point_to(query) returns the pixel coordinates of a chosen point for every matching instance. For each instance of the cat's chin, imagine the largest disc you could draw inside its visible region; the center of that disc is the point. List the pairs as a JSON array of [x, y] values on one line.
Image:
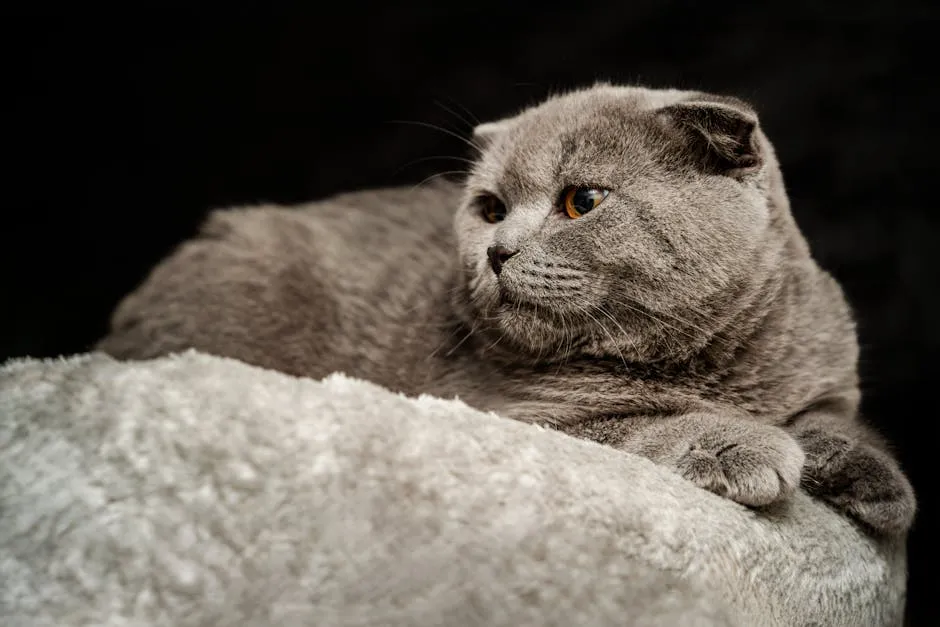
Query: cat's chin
[[549, 335], [512, 304], [518, 323], [534, 328]]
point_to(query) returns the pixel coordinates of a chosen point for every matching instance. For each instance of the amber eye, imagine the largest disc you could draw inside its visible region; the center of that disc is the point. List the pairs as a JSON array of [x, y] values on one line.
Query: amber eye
[[492, 208], [576, 201]]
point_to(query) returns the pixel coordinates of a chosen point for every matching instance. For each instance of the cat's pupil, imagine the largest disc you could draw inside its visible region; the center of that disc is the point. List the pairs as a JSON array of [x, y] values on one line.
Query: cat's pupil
[[586, 199], [493, 209], [580, 200]]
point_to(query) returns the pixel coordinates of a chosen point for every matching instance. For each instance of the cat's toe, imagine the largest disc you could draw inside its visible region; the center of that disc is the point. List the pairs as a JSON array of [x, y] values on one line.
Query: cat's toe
[[756, 467], [860, 480]]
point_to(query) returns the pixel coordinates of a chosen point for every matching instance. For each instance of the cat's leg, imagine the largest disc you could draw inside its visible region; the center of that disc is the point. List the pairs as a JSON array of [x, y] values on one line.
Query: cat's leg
[[746, 461], [848, 466]]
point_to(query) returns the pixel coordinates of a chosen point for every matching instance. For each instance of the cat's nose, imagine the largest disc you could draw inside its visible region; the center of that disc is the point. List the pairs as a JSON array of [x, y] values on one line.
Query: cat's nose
[[498, 256]]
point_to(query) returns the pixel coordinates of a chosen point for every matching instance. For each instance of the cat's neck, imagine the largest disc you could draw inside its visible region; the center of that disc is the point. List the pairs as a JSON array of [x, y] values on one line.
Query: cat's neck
[[795, 345]]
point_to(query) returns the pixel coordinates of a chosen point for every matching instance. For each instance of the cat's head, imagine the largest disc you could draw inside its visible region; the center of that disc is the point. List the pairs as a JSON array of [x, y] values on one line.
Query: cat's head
[[619, 221]]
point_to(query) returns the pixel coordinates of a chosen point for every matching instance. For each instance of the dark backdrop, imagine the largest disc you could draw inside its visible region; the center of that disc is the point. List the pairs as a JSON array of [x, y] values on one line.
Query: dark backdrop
[[124, 131]]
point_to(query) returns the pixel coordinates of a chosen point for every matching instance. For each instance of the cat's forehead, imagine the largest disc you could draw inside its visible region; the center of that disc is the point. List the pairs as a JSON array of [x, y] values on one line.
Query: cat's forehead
[[590, 132], [604, 98]]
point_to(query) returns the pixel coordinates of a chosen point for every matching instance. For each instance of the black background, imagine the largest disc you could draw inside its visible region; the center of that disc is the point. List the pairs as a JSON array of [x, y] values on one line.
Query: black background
[[122, 131]]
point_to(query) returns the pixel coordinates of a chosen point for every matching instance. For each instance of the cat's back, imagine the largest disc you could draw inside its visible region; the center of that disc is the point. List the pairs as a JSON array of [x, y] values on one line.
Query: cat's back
[[295, 288], [352, 244], [379, 222], [389, 216]]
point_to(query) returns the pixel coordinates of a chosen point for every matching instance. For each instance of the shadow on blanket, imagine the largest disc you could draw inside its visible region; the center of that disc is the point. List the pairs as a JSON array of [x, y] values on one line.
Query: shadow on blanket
[[194, 490]]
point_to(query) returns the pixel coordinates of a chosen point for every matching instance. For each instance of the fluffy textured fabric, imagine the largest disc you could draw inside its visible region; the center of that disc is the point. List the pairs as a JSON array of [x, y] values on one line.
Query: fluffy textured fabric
[[199, 491]]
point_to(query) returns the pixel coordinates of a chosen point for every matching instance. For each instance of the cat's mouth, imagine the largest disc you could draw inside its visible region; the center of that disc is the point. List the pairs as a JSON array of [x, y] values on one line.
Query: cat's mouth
[[516, 302], [506, 297], [512, 298]]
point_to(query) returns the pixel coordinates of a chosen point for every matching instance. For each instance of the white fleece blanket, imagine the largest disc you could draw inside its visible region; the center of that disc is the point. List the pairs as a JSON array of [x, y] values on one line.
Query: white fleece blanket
[[199, 491]]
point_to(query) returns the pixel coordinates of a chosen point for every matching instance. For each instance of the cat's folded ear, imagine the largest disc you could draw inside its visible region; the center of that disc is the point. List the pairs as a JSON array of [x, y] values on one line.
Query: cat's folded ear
[[720, 136], [485, 134]]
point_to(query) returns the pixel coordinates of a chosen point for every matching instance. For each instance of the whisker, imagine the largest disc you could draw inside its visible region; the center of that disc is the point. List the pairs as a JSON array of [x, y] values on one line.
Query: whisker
[[668, 331], [541, 344], [649, 316], [499, 338], [466, 110], [454, 113], [433, 158], [428, 179], [443, 342], [653, 316], [466, 337], [567, 335], [604, 312], [441, 129], [604, 329], [711, 336]]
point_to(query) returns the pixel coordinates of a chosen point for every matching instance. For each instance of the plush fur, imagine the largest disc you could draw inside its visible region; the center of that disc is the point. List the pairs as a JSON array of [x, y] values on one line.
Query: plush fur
[[683, 318], [196, 491]]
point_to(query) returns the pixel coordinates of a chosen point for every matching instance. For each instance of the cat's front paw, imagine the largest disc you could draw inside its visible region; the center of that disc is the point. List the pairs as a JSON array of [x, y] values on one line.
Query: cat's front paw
[[749, 463], [859, 479]]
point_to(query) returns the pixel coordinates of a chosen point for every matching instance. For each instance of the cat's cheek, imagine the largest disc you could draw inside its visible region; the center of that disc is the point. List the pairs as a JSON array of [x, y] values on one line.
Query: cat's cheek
[[473, 234], [471, 260]]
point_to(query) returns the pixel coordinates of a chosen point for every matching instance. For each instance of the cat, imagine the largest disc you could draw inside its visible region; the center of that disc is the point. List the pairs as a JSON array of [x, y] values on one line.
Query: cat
[[620, 263]]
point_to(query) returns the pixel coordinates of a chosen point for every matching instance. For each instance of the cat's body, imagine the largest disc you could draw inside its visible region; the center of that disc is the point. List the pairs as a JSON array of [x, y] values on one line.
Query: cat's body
[[682, 317], [390, 254]]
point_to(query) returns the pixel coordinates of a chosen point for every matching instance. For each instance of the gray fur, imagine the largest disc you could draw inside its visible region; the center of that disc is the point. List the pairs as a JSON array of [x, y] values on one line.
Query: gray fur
[[684, 318]]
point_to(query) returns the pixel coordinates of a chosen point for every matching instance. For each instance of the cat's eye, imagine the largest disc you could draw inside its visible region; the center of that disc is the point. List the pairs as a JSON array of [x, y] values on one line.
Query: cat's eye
[[492, 208], [576, 201]]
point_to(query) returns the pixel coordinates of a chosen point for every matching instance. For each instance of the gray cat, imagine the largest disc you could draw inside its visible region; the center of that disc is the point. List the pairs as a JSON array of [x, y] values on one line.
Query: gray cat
[[621, 263]]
